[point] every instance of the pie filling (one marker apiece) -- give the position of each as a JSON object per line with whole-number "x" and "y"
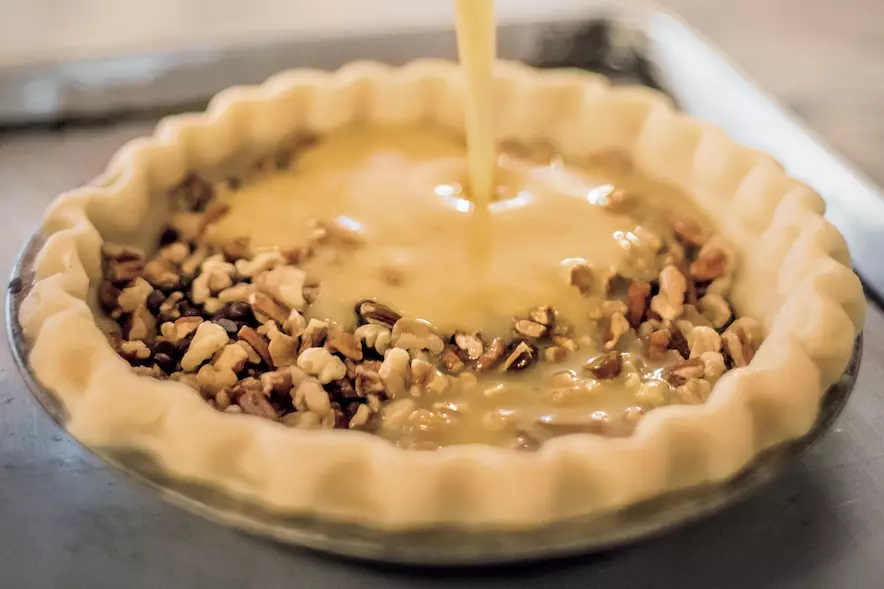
{"x": 346, "y": 282}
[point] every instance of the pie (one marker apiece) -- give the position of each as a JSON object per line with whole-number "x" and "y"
{"x": 657, "y": 305}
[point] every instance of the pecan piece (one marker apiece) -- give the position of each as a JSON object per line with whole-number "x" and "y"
{"x": 451, "y": 361}
{"x": 346, "y": 344}
{"x": 606, "y": 366}
{"x": 637, "y": 303}
{"x": 265, "y": 307}
{"x": 469, "y": 345}
{"x": 255, "y": 403}
{"x": 492, "y": 355}
{"x": 258, "y": 343}
{"x": 544, "y": 315}
{"x": 377, "y": 314}
{"x": 521, "y": 357}
{"x": 679, "y": 373}
{"x": 529, "y": 329}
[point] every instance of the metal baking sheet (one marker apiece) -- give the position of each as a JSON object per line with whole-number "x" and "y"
{"x": 636, "y": 45}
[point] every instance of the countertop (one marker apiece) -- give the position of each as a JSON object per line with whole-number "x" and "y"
{"x": 67, "y": 521}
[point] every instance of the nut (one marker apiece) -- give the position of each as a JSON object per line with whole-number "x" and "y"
{"x": 652, "y": 393}
{"x": 682, "y": 371}
{"x": 283, "y": 349}
{"x": 232, "y": 357}
{"x": 529, "y": 329}
{"x": 637, "y": 304}
{"x": 694, "y": 392}
{"x": 257, "y": 343}
{"x": 521, "y": 357}
{"x": 215, "y": 275}
{"x": 375, "y": 336}
{"x": 132, "y": 297}
{"x": 134, "y": 350}
{"x": 265, "y": 308}
{"x": 451, "y": 361}
{"x": 739, "y": 350}
{"x": 425, "y": 378}
{"x": 617, "y": 327}
{"x": 295, "y": 325}
{"x": 142, "y": 325}
{"x": 312, "y": 387}
{"x": 346, "y": 344}
{"x": 704, "y": 339}
{"x": 279, "y": 381}
{"x": 362, "y": 418}
{"x": 713, "y": 365}
{"x": 377, "y": 314}
{"x": 237, "y": 293}
{"x": 260, "y": 263}
{"x": 606, "y": 366}
{"x": 658, "y": 344}
{"x": 189, "y": 266}
{"x": 319, "y": 362}
{"x": 161, "y": 274}
{"x": 669, "y": 304}
{"x": 492, "y": 355}
{"x": 469, "y": 345}
{"x": 395, "y": 372}
{"x": 416, "y": 334}
{"x": 543, "y": 315}
{"x": 556, "y": 354}
{"x": 694, "y": 317}
{"x": 689, "y": 232}
{"x": 712, "y": 261}
{"x": 579, "y": 275}
{"x": 367, "y": 381}
{"x": 237, "y": 249}
{"x": 715, "y": 309}
{"x": 254, "y": 403}
{"x": 314, "y": 335}
{"x": 396, "y": 413}
{"x": 286, "y": 285}
{"x": 678, "y": 342}
{"x": 208, "y": 339}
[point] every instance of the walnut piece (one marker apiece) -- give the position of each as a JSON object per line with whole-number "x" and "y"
{"x": 208, "y": 339}
{"x": 395, "y": 372}
{"x": 415, "y": 334}
{"x": 617, "y": 327}
{"x": 715, "y": 309}
{"x": 321, "y": 363}
{"x": 669, "y": 304}
{"x": 285, "y": 284}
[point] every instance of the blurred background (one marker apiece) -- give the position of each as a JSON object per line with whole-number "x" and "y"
{"x": 823, "y": 58}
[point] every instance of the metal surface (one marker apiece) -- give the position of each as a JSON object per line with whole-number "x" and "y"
{"x": 438, "y": 546}
{"x": 69, "y": 522}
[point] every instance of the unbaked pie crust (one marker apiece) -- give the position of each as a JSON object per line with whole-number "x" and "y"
{"x": 795, "y": 276}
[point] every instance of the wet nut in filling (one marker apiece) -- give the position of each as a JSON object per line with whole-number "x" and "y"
{"x": 248, "y": 328}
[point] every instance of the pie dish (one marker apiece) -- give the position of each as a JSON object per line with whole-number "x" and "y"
{"x": 794, "y": 276}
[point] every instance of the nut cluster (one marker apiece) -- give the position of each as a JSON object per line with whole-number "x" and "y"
{"x": 231, "y": 322}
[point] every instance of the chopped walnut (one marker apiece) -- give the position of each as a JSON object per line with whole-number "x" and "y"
{"x": 285, "y": 284}
{"x": 260, "y": 263}
{"x": 321, "y": 363}
{"x": 161, "y": 274}
{"x": 395, "y": 372}
{"x": 237, "y": 293}
{"x": 713, "y": 365}
{"x": 702, "y": 340}
{"x": 295, "y": 325}
{"x": 529, "y": 329}
{"x": 132, "y": 297}
{"x": 377, "y": 337}
{"x": 658, "y": 344}
{"x": 617, "y": 327}
{"x": 208, "y": 339}
{"x": 414, "y": 334}
{"x": 133, "y": 350}
{"x": 426, "y": 378}
{"x": 215, "y": 275}
{"x": 283, "y": 349}
{"x": 255, "y": 403}
{"x": 669, "y": 304}
{"x": 362, "y": 418}
{"x": 738, "y": 348}
{"x": 694, "y": 392}
{"x": 715, "y": 309}
{"x": 142, "y": 325}
{"x": 232, "y": 357}
{"x": 395, "y": 414}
